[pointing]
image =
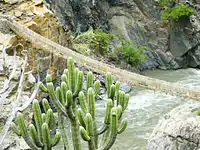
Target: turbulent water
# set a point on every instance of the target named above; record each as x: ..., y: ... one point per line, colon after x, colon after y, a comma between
x: 146, y: 107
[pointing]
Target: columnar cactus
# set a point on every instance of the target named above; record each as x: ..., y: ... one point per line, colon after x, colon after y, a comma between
x: 79, y: 108
x: 37, y: 136
x: 116, y: 104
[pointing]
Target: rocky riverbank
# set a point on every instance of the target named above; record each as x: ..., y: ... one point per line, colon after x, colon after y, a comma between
x: 177, y: 130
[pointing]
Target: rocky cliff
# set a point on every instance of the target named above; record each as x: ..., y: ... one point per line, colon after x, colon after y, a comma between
x: 171, y: 45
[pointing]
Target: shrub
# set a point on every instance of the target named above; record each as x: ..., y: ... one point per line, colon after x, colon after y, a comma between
x: 131, y: 52
x: 177, y: 12
x: 96, y: 40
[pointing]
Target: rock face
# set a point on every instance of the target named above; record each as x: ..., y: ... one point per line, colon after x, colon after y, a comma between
x: 170, y: 45
x: 178, y: 130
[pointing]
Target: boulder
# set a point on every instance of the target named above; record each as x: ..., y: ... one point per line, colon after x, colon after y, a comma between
x: 181, y: 38
x: 4, y: 27
x: 177, y: 130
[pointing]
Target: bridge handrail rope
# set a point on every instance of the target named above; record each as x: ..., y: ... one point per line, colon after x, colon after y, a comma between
x: 131, y: 78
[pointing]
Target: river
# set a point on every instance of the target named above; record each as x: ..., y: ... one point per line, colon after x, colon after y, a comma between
x: 146, y: 107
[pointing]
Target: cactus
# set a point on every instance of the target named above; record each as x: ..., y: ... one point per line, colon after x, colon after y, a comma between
x: 67, y: 98
x: 37, y: 136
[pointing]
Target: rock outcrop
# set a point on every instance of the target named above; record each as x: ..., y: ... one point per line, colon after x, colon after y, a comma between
x: 177, y: 130
x: 170, y: 45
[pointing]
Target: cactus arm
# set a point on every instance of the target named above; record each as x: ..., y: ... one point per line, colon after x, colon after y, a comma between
x: 49, y: 78
x: 45, y: 105
x: 108, y: 83
x: 92, y: 111
x: 79, y: 85
x: 91, y: 132
x: 75, y: 134
x: 112, y: 92
x: 43, y: 117
x: 54, y: 100
x: 81, y: 116
x: 71, y: 73
x: 105, y: 136
x: 56, y: 139
x: 97, y: 85
x: 90, y: 79
x: 83, y: 102
x: 68, y: 105
x: 62, y: 126
x: 37, y: 116
x: 110, y: 143
x: 65, y: 80
x: 46, y: 136
x: 42, y: 87
x: 113, y: 129
x: 117, y: 86
x: 65, y: 72
x: 30, y: 142
x: 76, y: 77
x: 91, y: 102
x: 109, y: 106
x: 15, y: 128
x: 126, y: 101
x: 123, y: 126
x: 64, y: 89
x: 119, y: 111
x: 60, y: 95
x: 35, y: 136
x: 49, y: 118
x: 24, y: 132
x: 84, y: 134
x: 114, y: 121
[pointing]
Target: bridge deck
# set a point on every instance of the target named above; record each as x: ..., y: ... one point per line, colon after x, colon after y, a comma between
x: 131, y: 78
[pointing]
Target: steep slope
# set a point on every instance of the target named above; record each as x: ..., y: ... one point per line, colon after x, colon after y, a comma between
x: 170, y: 45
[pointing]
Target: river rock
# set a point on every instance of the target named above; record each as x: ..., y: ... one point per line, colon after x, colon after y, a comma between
x: 177, y: 130
x: 125, y: 87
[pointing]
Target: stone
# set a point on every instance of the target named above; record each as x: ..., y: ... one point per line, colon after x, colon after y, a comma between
x: 18, y: 13
x: 125, y: 87
x: 177, y: 130
x: 193, y: 61
x: 12, y: 1
x: 181, y: 39
x: 4, y: 27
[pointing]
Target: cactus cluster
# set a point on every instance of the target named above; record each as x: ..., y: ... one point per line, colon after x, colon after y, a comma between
x: 37, y: 135
x: 79, y: 108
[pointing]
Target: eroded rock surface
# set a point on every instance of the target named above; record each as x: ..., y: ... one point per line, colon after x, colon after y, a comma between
x: 170, y: 45
x: 177, y: 130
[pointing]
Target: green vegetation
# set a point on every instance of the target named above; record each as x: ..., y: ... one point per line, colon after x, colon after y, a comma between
x: 175, y: 12
x: 38, y: 135
x: 131, y: 52
x: 198, y: 111
x: 82, y: 118
x: 95, y: 40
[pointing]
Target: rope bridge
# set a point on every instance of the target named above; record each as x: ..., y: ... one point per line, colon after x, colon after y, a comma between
x: 131, y: 78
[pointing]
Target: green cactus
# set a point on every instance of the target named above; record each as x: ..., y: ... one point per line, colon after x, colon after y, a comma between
x: 37, y: 136
x: 79, y: 109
